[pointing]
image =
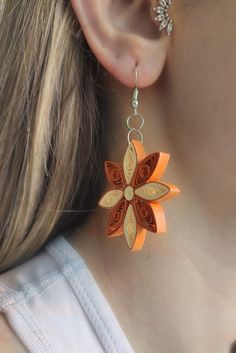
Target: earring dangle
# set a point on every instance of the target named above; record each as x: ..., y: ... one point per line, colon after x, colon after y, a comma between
x: 136, y: 193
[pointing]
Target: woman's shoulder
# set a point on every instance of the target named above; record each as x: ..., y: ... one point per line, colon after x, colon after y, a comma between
x: 9, y: 341
x: 25, y: 291
x: 19, y: 282
x: 45, y: 272
x: 48, y: 296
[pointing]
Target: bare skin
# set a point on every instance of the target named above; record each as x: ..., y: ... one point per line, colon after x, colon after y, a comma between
x: 179, y: 293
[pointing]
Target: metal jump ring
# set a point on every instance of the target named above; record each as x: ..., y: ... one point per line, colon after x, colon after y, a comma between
x: 133, y: 116
x: 139, y: 133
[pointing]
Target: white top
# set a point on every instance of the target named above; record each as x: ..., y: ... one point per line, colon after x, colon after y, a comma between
x: 54, y: 305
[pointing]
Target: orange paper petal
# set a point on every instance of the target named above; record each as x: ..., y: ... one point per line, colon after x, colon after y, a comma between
x: 161, y: 165
x: 159, y: 215
x: 116, y: 218
x: 173, y: 191
x: 114, y: 173
x: 144, y: 214
x: 145, y: 169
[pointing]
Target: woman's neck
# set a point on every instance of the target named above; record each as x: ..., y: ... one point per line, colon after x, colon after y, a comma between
x: 199, y: 246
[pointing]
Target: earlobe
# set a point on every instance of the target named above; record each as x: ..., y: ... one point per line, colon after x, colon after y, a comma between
x: 120, y: 48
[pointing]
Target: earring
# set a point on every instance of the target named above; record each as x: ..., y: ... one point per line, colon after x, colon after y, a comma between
x: 163, y: 17
x: 134, y: 199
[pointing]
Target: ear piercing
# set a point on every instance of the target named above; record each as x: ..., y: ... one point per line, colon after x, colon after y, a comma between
x: 165, y: 22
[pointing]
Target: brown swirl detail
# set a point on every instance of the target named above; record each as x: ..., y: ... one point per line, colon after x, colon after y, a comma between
x: 114, y: 173
x: 144, y: 169
x: 117, y: 216
x: 144, y: 215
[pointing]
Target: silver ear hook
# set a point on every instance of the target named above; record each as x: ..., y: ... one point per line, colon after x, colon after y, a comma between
x: 134, y: 102
x: 135, y: 114
x: 136, y: 76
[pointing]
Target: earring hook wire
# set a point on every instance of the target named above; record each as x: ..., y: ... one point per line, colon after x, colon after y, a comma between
x: 135, y: 114
x: 136, y: 76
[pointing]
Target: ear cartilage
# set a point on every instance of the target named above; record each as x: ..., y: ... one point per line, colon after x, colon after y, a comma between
x: 162, y: 16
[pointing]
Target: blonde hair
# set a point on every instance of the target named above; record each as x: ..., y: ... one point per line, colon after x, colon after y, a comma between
x: 50, y: 133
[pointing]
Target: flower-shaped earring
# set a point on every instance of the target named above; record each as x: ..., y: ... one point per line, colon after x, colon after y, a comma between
x: 134, y: 200
x: 136, y: 194
x: 162, y: 16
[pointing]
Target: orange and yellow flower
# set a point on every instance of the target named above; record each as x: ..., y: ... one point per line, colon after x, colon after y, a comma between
x: 135, y: 198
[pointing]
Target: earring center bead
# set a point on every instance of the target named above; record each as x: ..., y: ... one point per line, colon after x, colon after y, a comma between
x: 129, y: 193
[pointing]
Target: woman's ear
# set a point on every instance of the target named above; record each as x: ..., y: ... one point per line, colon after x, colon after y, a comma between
x: 123, y: 34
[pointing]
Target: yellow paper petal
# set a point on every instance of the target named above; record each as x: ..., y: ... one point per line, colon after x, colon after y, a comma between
x: 130, y: 226
x: 152, y: 191
x: 130, y: 162
x: 111, y: 198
